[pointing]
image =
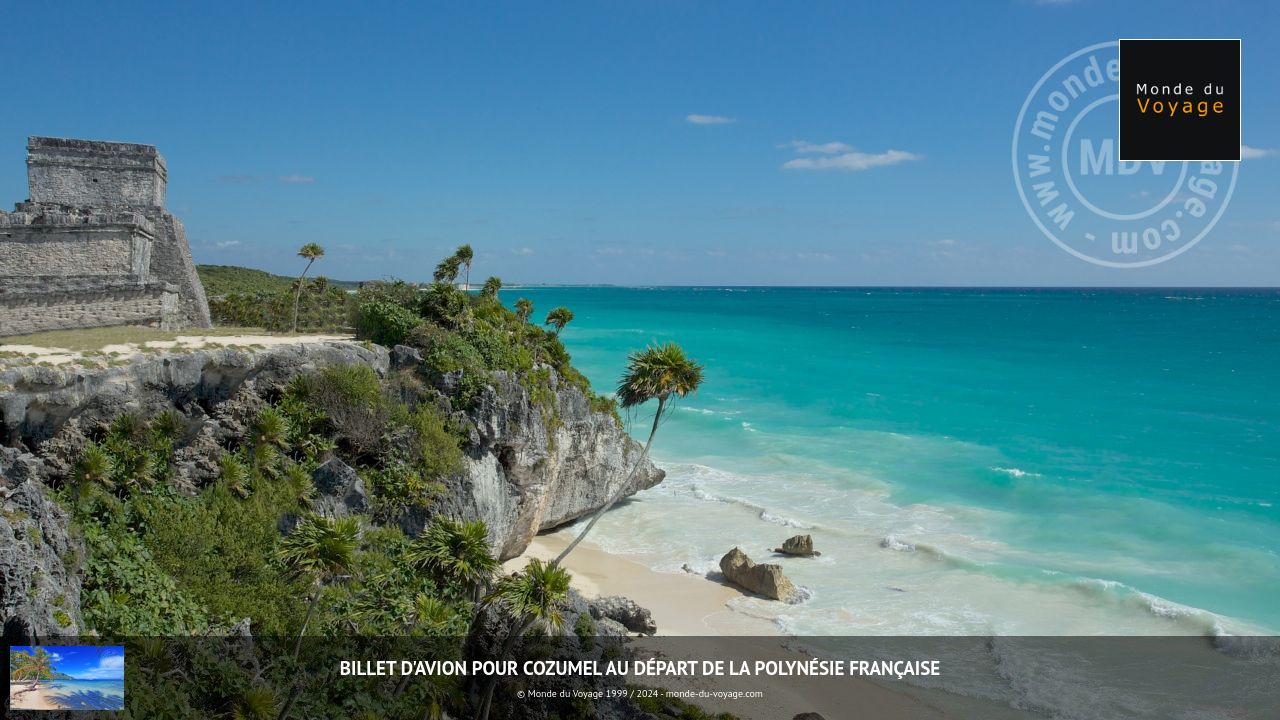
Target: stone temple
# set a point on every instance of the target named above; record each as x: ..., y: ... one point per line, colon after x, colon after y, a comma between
x: 93, y: 245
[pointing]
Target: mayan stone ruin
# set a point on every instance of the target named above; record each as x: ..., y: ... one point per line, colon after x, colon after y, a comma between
x: 93, y: 245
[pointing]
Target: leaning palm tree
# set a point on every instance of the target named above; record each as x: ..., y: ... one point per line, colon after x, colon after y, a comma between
x: 465, y: 256
x: 448, y: 269
x: 558, y: 318
x: 491, y: 288
x: 456, y: 552
x: 524, y: 308
x: 659, y: 372
x: 312, y: 252
x: 35, y: 665
x: 324, y: 549
x: 531, y: 596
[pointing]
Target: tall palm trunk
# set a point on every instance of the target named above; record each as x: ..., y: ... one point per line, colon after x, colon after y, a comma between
x: 311, y: 606
x: 492, y: 684
x: 662, y: 401
x: 296, y: 691
x: 297, y: 295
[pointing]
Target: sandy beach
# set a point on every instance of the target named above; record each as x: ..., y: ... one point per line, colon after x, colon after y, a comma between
x: 693, y: 608
x: 20, y: 698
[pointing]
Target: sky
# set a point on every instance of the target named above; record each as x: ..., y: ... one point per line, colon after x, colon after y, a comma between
x: 85, y: 662
x: 635, y: 143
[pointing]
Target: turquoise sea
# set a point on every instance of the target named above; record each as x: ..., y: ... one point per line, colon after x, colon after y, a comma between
x: 968, y: 461
x: 87, y: 694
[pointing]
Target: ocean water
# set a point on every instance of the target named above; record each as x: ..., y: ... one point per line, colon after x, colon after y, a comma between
x: 87, y: 694
x: 1021, y: 462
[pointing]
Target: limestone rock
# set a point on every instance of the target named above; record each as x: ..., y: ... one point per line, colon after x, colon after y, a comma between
x: 44, y: 399
x: 625, y: 611
x: 801, y: 545
x: 760, y: 578
x: 403, y: 356
x: 39, y: 573
x: 340, y: 491
x: 533, y: 466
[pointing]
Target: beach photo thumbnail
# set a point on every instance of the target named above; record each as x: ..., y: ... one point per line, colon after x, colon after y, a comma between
x: 66, y: 677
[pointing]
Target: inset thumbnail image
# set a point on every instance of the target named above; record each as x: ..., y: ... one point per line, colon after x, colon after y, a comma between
x: 66, y: 677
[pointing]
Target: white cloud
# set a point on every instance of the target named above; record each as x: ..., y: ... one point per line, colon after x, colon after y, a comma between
x: 226, y: 244
x: 1253, y: 153
x: 709, y: 119
x: 806, y: 147
x: 853, y: 161
x: 110, y: 667
x: 297, y: 179
x: 524, y: 251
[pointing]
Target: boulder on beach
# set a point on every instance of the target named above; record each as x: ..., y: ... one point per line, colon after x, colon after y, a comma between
x: 624, y: 611
x: 801, y: 545
x: 760, y: 578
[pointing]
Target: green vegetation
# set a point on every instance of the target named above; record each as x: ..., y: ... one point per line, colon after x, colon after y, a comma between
x: 220, y: 280
x: 246, y: 542
x: 318, y: 305
x: 34, y: 666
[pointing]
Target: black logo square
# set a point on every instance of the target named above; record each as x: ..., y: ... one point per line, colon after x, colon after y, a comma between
x: 1179, y: 100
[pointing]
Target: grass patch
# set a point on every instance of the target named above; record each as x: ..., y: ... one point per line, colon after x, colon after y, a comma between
x: 95, y: 339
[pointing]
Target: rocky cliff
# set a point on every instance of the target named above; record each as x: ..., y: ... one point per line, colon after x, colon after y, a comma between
x: 535, y: 465
x: 536, y: 457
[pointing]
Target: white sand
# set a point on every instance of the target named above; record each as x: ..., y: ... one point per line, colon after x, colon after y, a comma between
x: 20, y: 698
x: 684, y: 604
x: 63, y: 356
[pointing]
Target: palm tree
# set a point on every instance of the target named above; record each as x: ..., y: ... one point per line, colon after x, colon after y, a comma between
x: 456, y: 551
x: 464, y: 256
x: 524, y: 308
x: 323, y: 548
x: 659, y: 372
x: 311, y: 252
x: 35, y: 665
x: 491, y: 288
x: 558, y: 318
x: 532, y: 595
x: 92, y: 473
x: 448, y: 269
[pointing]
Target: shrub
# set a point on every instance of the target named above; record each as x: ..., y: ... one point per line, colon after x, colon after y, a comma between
x: 353, y: 402
x: 446, y: 305
x: 385, y: 323
x: 126, y: 593
x: 398, y: 487
x: 435, y: 447
x: 219, y: 548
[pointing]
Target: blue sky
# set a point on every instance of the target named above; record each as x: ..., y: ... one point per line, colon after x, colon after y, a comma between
x: 86, y: 662
x: 557, y: 139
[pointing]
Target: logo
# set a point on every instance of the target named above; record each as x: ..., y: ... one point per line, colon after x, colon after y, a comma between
x: 1107, y: 211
